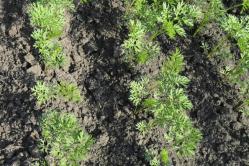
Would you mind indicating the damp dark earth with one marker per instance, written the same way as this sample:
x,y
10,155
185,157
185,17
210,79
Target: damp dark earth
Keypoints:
x,y
126,65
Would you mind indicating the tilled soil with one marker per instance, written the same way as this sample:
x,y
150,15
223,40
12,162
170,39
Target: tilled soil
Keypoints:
x,y
92,42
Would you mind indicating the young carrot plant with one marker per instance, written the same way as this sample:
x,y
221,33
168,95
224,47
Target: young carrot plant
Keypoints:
x,y
42,92
64,90
167,101
66,4
68,91
63,139
175,17
50,49
157,159
138,47
238,29
48,19
214,11
147,20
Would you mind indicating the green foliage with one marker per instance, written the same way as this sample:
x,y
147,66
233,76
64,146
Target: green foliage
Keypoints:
x,y
152,157
49,18
244,108
138,91
238,29
167,101
63,139
214,12
147,20
51,51
174,17
155,162
42,92
137,47
156,159
66,4
67,91
245,5
165,157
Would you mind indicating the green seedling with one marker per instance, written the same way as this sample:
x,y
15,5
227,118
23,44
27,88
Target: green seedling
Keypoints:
x,y
244,107
164,157
64,90
214,12
138,91
244,6
164,17
152,157
65,4
137,47
48,17
167,100
68,91
50,49
42,92
156,159
147,21
238,29
63,139
174,17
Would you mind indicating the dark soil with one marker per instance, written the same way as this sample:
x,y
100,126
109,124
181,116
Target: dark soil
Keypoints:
x,y
93,45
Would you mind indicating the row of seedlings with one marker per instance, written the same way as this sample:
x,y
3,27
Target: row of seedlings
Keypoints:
x,y
234,34
163,95
62,137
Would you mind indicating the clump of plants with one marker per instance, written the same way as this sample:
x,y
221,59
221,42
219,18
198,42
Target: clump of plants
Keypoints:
x,y
138,47
165,97
212,11
48,19
236,29
63,139
157,159
64,90
149,19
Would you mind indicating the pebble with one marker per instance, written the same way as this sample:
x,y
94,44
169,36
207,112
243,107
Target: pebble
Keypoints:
x,y
36,69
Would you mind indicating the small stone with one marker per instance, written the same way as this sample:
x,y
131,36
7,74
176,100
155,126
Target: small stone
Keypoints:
x,y
30,59
77,58
36,69
13,31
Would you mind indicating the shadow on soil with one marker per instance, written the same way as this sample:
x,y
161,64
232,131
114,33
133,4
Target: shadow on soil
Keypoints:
x,y
107,83
18,119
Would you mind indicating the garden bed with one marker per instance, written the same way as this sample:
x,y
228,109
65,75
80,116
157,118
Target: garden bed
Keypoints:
x,y
93,42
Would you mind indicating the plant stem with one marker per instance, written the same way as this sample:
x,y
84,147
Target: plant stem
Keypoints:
x,y
235,6
203,23
205,19
153,36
